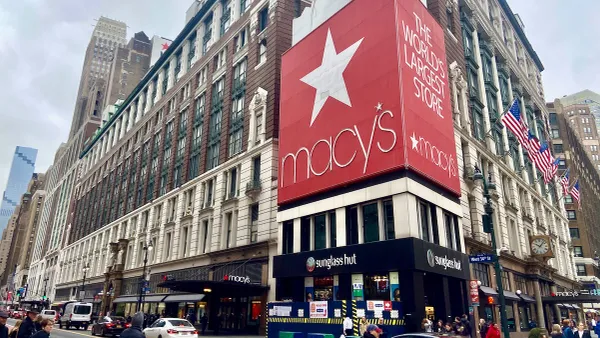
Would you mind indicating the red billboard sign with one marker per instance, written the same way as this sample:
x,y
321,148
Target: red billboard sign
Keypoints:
x,y
364,94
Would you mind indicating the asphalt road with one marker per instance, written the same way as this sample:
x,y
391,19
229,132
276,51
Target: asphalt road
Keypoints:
x,y
61,333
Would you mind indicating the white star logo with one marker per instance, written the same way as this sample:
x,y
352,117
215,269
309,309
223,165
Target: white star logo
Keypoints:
x,y
415,142
328,78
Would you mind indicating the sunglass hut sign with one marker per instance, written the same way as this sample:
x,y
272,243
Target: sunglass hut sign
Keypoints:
x,y
447,263
331,262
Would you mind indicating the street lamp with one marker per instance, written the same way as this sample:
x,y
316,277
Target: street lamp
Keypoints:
x,y
488,188
147,248
85,269
45,284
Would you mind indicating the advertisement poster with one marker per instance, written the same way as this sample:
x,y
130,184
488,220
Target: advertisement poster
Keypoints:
x,y
318,309
375,305
474,292
394,287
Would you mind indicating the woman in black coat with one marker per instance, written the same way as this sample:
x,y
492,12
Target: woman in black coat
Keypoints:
x,y
47,325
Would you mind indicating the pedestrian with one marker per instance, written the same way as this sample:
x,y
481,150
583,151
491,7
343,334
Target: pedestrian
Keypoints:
x,y
483,327
582,332
204,323
15,329
381,326
567,330
38,322
493,331
556,331
362,326
372,331
27,328
3,328
347,326
47,326
466,324
192,317
426,325
135,331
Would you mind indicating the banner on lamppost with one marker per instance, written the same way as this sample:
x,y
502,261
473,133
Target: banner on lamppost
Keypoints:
x,y
474,292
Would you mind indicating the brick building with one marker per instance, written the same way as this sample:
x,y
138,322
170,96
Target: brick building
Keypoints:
x,y
187,166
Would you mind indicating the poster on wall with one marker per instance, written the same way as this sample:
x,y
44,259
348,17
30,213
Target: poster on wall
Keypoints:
x,y
318,309
375,305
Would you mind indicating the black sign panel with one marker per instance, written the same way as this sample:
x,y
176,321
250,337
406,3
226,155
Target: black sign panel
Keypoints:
x,y
393,255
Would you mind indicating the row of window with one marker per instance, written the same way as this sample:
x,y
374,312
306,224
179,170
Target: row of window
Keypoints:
x,y
373,220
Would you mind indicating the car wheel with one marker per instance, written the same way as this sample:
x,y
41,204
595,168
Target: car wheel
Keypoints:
x,y
60,325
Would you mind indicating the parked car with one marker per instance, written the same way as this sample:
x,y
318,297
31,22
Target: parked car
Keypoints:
x,y
48,314
77,315
109,325
171,328
18,314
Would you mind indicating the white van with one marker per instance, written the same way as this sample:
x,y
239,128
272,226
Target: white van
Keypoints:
x,y
76,314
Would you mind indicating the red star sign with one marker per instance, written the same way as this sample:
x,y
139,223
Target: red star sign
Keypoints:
x,y
165,46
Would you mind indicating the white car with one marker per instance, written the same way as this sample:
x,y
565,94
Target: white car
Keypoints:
x,y
48,314
171,328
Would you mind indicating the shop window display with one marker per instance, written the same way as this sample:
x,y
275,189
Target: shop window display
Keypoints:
x,y
323,288
377,287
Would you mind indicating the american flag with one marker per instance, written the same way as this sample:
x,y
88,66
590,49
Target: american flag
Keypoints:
x,y
543,158
564,182
575,192
550,173
512,120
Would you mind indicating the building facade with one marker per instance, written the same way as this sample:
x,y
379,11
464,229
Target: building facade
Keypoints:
x,y
21,169
18,259
501,65
187,166
108,36
586,97
576,156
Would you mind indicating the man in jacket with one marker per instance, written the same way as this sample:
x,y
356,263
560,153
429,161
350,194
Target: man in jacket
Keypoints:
x,y
3,328
27,328
135,331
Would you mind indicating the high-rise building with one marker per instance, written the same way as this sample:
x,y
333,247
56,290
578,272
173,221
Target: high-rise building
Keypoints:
x,y
21,169
186,165
575,156
586,97
26,219
108,36
583,123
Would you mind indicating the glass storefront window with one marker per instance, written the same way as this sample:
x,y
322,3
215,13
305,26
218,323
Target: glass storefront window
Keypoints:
x,y
320,233
370,222
377,287
510,316
524,317
323,288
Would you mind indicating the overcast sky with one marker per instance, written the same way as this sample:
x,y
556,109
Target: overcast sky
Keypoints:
x,y
42,45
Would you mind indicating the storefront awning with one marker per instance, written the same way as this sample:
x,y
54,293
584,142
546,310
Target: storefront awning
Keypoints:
x,y
575,306
128,299
488,291
154,298
511,296
188,297
568,306
527,298
225,288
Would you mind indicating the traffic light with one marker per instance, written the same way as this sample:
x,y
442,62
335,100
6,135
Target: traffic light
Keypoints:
x,y
44,297
19,293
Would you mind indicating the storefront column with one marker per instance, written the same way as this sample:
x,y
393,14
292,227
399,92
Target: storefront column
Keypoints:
x,y
538,305
414,301
517,316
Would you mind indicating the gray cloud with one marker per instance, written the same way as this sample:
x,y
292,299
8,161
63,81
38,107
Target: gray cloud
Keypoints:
x,y
42,46
564,35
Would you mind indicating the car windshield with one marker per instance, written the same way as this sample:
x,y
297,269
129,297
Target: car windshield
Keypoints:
x,y
82,310
115,318
180,322
48,312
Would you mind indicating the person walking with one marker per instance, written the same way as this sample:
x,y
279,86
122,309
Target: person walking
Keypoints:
x,y
581,331
556,331
567,330
493,331
27,328
38,322
135,331
483,327
15,330
47,325
203,323
347,326
3,328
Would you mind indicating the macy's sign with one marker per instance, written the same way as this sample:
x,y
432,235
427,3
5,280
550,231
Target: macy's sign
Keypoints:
x,y
238,279
325,150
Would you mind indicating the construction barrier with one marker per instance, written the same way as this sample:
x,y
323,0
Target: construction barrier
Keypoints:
x,y
324,319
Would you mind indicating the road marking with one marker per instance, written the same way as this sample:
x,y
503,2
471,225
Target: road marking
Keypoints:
x,y
75,332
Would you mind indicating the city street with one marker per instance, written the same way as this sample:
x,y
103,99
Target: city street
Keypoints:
x,y
60,333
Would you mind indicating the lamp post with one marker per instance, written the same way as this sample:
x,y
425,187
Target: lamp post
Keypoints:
x,y
488,188
85,269
147,248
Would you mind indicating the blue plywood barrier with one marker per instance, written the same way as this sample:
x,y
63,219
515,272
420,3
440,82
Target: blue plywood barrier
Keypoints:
x,y
295,318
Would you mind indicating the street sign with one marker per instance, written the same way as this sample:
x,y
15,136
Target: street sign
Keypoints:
x,y
481,258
